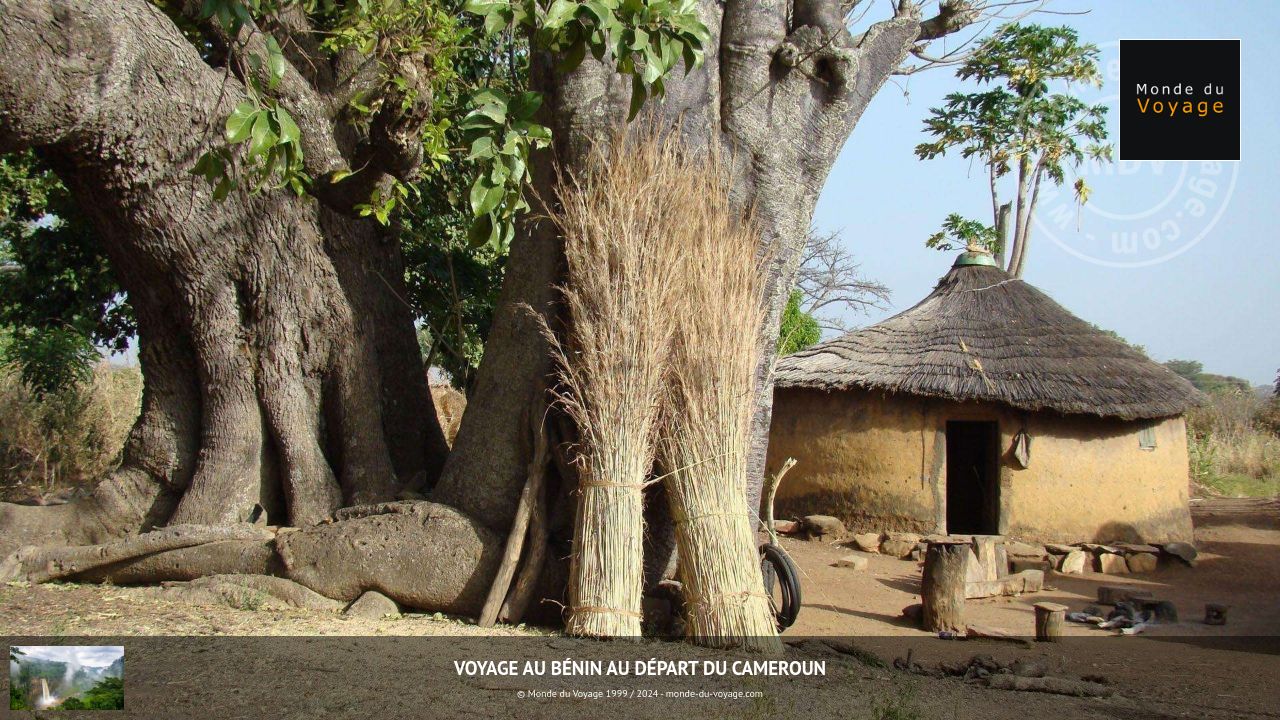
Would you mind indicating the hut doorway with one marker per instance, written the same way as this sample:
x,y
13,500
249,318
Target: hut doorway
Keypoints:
x,y
973,472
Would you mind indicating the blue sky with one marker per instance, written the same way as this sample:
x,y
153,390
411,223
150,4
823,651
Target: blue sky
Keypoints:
x,y
1204,289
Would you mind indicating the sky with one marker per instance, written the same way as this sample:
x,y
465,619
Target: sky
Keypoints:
x,y
1205,288
86,655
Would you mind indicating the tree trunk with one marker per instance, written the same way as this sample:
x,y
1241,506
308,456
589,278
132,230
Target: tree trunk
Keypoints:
x,y
942,589
779,93
280,367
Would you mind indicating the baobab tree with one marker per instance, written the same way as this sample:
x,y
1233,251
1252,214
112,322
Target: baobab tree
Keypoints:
x,y
282,375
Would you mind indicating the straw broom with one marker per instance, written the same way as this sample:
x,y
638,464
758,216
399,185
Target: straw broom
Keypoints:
x,y
611,368
718,316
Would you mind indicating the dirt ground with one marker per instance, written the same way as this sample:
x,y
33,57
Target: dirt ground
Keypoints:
x,y
1178,670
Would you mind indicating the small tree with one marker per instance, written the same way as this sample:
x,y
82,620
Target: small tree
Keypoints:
x,y
798,329
1019,127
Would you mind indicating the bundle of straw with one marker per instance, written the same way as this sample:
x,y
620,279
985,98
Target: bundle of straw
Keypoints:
x,y
614,218
718,315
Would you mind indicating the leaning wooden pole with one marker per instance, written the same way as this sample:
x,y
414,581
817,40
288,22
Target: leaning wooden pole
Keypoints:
x,y
942,589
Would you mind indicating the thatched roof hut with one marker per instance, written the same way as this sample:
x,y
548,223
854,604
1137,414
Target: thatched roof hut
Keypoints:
x,y
884,416
984,336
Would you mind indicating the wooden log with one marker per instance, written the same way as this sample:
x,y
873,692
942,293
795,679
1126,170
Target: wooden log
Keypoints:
x,y
943,587
520,526
1049,621
530,572
1112,594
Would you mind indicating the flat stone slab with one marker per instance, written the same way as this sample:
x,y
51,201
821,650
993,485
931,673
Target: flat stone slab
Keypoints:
x,y
853,562
867,542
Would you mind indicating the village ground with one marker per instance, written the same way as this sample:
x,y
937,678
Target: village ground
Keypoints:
x,y
223,665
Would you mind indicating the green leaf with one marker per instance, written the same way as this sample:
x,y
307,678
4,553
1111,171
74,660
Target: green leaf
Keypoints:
x,y
560,12
240,121
261,136
340,175
573,57
480,230
289,132
526,104
275,62
484,196
482,148
637,97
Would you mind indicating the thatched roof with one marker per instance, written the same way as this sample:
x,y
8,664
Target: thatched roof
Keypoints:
x,y
983,335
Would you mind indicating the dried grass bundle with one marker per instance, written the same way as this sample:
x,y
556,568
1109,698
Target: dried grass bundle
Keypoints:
x,y
614,218
718,315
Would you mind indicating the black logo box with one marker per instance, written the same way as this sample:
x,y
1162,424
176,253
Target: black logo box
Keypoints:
x,y
1180,65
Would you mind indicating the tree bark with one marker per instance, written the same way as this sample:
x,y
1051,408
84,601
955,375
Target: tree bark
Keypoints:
x,y
778,94
942,589
280,365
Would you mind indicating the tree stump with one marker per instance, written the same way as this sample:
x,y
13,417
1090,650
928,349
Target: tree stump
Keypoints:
x,y
1049,619
942,589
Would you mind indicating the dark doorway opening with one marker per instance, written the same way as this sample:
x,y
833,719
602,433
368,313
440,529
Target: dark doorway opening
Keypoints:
x,y
973,478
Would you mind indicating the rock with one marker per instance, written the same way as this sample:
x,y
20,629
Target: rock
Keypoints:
x,y
1142,562
853,562
1073,563
1110,564
820,526
1095,548
908,537
983,589
1057,549
1186,552
1164,611
1032,580
786,527
1112,594
372,605
867,542
1128,548
897,548
1016,548
1023,667
1018,564
913,612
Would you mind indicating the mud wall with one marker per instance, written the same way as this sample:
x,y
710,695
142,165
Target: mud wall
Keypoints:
x,y
879,462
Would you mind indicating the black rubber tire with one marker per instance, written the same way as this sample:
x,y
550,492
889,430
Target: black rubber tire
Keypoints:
x,y
778,568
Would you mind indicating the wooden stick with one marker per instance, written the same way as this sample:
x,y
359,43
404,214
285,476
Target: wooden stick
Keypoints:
x,y
520,526
531,569
771,490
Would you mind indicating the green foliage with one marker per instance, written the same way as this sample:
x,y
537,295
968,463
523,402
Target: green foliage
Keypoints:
x,y
797,329
1018,123
58,295
1194,373
959,232
645,39
108,694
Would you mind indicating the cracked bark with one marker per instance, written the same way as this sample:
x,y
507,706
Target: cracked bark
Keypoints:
x,y
280,365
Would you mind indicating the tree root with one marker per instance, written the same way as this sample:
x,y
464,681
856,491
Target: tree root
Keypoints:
x,y
43,563
248,592
420,554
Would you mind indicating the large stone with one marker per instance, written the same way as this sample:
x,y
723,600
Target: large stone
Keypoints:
x,y
897,548
1186,552
909,537
1128,548
1016,548
1073,563
1142,562
853,562
1033,580
373,605
1059,549
867,542
1018,564
1110,564
823,526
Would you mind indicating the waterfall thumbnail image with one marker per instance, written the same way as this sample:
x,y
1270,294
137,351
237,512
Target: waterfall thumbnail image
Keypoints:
x,y
66,677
